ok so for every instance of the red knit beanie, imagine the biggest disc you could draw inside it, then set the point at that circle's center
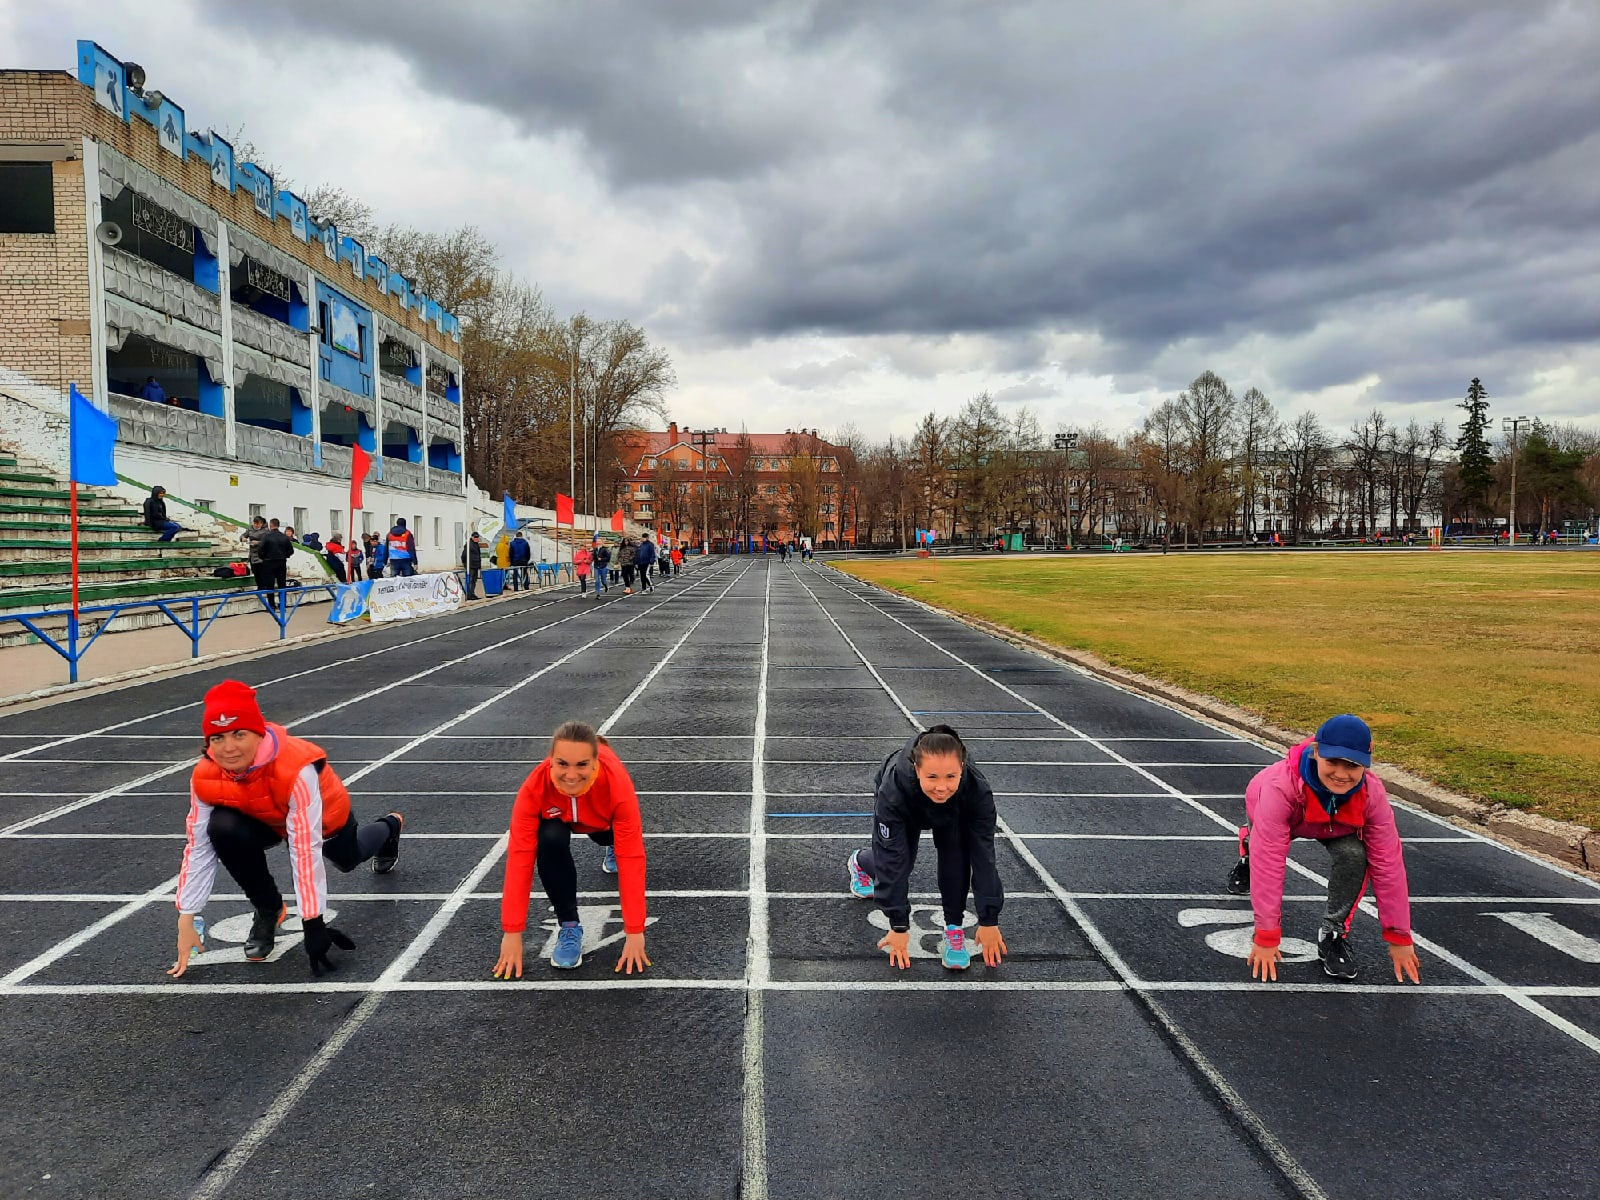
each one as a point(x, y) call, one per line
point(232, 705)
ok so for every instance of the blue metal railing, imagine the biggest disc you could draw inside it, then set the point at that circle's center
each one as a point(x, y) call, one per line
point(187, 614)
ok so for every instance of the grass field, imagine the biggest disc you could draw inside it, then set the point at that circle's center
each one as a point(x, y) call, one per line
point(1480, 671)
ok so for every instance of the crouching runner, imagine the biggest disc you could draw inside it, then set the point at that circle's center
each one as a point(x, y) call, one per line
point(929, 783)
point(580, 786)
point(257, 785)
point(1324, 790)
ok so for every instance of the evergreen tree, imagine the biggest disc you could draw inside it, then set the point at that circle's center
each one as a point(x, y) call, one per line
point(1477, 464)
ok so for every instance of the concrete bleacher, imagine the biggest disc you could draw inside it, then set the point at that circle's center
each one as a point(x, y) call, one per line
point(119, 558)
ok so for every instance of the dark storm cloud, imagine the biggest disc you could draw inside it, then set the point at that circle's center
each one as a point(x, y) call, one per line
point(1152, 173)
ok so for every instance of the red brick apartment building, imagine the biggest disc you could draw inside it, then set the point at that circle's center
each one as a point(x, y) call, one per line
point(734, 488)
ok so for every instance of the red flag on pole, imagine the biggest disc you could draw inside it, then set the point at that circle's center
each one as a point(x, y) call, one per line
point(616, 521)
point(563, 509)
point(360, 464)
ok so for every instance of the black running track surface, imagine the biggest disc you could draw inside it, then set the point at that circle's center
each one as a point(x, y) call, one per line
point(1122, 1051)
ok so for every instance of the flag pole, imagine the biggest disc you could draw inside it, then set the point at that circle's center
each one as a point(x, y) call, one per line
point(72, 631)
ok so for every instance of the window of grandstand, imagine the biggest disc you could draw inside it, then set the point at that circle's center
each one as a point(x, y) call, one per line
point(395, 358)
point(27, 198)
point(271, 293)
point(341, 425)
point(148, 370)
point(401, 441)
point(155, 234)
point(268, 404)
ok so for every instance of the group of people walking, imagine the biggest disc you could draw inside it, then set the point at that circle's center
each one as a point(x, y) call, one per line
point(256, 785)
point(635, 561)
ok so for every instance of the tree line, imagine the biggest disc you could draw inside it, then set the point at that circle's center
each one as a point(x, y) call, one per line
point(1209, 465)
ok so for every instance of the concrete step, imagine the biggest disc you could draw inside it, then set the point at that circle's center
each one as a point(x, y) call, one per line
point(99, 510)
point(14, 525)
point(108, 592)
point(11, 476)
point(123, 567)
point(14, 549)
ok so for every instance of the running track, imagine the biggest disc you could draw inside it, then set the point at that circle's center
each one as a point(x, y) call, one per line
point(1122, 1051)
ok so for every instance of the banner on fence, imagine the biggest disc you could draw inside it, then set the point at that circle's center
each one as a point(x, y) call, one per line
point(349, 602)
point(413, 596)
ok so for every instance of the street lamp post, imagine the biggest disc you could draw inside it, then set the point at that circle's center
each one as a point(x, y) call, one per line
point(1511, 425)
point(1068, 442)
point(704, 440)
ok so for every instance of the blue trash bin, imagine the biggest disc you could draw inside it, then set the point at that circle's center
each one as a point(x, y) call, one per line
point(493, 581)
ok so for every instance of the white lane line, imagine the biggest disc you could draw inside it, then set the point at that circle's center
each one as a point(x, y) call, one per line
point(1297, 1175)
point(222, 1174)
point(1582, 1036)
point(758, 961)
point(67, 945)
point(108, 730)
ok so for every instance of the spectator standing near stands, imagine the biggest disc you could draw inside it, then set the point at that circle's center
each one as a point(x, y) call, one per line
point(581, 562)
point(312, 541)
point(333, 555)
point(644, 558)
point(155, 514)
point(401, 547)
point(581, 786)
point(472, 563)
point(275, 549)
point(377, 557)
point(1324, 790)
point(677, 560)
point(601, 554)
point(521, 554)
point(930, 783)
point(153, 391)
point(627, 554)
point(252, 539)
point(257, 785)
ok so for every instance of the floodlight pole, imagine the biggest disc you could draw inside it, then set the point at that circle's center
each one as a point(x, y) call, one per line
point(704, 440)
point(1511, 424)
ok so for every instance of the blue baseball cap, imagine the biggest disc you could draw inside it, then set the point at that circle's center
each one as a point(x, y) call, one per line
point(1345, 736)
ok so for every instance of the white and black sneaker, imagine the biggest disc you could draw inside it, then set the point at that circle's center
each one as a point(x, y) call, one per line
point(389, 853)
point(1334, 951)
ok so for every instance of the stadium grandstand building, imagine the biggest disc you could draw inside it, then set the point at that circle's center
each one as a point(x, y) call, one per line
point(732, 489)
point(243, 344)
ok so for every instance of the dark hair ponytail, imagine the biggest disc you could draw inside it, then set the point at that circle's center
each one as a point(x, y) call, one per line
point(939, 739)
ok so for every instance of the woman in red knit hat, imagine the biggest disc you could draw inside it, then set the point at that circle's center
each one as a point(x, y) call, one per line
point(581, 785)
point(257, 785)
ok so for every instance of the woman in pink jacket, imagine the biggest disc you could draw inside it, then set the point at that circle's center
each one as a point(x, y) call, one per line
point(1325, 790)
point(581, 560)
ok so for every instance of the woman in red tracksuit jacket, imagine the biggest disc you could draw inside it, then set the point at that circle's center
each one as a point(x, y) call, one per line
point(1325, 790)
point(580, 786)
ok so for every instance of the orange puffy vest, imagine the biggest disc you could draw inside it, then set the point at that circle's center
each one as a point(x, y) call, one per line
point(265, 795)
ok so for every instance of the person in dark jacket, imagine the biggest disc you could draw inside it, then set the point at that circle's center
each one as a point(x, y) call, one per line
point(644, 558)
point(312, 541)
point(275, 551)
point(155, 514)
point(153, 391)
point(930, 783)
point(401, 547)
point(521, 555)
point(333, 555)
point(627, 559)
point(602, 566)
point(472, 562)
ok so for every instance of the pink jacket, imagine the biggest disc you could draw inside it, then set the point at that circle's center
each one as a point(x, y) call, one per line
point(580, 561)
point(1275, 804)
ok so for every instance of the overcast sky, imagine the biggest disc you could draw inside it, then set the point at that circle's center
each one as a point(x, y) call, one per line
point(845, 211)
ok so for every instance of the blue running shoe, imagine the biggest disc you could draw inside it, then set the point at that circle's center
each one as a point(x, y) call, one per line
point(609, 863)
point(861, 884)
point(955, 953)
point(568, 954)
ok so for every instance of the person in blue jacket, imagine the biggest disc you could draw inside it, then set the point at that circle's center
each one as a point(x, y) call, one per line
point(644, 558)
point(931, 783)
point(521, 554)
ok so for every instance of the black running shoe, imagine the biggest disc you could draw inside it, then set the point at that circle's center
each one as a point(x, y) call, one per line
point(1239, 877)
point(263, 933)
point(1334, 951)
point(389, 853)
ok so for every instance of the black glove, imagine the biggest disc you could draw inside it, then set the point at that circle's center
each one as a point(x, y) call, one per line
point(320, 939)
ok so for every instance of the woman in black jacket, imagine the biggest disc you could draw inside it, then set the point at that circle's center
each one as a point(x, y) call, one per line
point(930, 783)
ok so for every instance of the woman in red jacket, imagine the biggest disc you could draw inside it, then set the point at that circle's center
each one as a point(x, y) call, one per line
point(581, 785)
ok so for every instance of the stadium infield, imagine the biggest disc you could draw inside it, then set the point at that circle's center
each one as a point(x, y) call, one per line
point(1121, 1051)
point(1477, 670)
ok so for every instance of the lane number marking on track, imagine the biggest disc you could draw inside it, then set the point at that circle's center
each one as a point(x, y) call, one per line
point(1552, 933)
point(594, 918)
point(1235, 941)
point(232, 932)
point(927, 928)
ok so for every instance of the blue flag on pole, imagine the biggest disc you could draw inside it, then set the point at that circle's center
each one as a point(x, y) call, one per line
point(92, 438)
point(510, 518)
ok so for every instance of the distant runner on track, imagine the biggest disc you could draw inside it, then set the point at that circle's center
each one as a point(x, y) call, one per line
point(257, 785)
point(930, 783)
point(580, 786)
point(1324, 790)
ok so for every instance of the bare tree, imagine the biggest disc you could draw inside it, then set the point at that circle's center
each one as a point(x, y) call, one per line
point(1419, 457)
point(802, 483)
point(1307, 455)
point(930, 470)
point(1206, 413)
point(1366, 445)
point(1260, 430)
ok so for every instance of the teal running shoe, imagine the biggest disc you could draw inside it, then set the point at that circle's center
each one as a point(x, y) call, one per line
point(568, 954)
point(954, 949)
point(861, 884)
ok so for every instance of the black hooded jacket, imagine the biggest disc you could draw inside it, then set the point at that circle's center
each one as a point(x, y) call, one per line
point(901, 812)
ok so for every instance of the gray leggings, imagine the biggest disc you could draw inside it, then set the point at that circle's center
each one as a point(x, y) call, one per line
point(1347, 879)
